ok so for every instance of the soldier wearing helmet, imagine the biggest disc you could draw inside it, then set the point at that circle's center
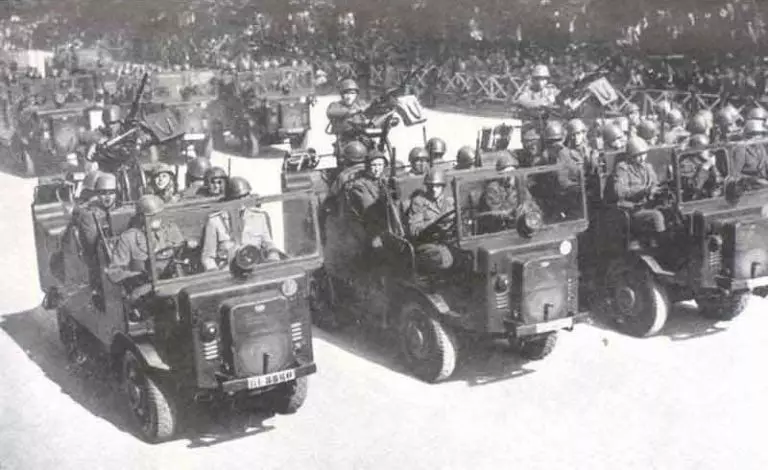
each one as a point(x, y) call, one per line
point(88, 187)
point(675, 133)
point(538, 92)
point(162, 182)
point(727, 122)
point(648, 131)
point(227, 230)
point(632, 112)
point(215, 182)
point(346, 115)
point(500, 204)
point(699, 125)
point(554, 138)
point(195, 176)
point(130, 258)
point(465, 158)
point(424, 208)
point(699, 176)
point(365, 196)
point(751, 159)
point(757, 113)
point(436, 148)
point(614, 138)
point(419, 160)
point(577, 142)
point(530, 154)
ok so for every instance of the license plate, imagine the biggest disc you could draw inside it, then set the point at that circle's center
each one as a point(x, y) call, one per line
point(271, 379)
point(194, 136)
point(553, 325)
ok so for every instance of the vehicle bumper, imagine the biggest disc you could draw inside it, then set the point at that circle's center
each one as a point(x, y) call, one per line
point(736, 285)
point(530, 329)
point(239, 385)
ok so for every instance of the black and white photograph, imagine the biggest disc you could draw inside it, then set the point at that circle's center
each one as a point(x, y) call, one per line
point(383, 234)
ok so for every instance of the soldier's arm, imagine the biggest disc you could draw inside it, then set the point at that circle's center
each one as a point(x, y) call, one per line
point(121, 258)
point(337, 111)
point(621, 184)
point(414, 217)
point(86, 223)
point(175, 237)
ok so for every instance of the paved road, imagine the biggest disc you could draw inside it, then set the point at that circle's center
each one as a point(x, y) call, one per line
point(694, 397)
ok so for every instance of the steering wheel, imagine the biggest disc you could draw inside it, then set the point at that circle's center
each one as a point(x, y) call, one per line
point(441, 229)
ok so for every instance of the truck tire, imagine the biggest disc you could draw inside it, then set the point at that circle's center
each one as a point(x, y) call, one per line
point(535, 348)
point(149, 405)
point(429, 348)
point(69, 334)
point(288, 398)
point(725, 307)
point(634, 302)
point(322, 305)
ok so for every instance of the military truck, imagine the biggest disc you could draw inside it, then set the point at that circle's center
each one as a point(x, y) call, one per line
point(259, 108)
point(711, 247)
point(514, 274)
point(241, 333)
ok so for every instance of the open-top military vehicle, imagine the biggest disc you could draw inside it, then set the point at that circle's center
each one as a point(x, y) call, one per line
point(239, 333)
point(711, 246)
point(261, 108)
point(514, 274)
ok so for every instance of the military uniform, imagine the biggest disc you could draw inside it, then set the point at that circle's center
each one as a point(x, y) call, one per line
point(168, 195)
point(346, 120)
point(698, 180)
point(530, 98)
point(89, 219)
point(362, 193)
point(422, 211)
point(526, 158)
point(226, 231)
point(500, 197)
point(130, 255)
point(633, 181)
point(750, 160)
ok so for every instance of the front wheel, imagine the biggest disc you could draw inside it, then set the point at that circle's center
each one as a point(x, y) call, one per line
point(725, 307)
point(536, 347)
point(288, 398)
point(428, 347)
point(634, 302)
point(149, 404)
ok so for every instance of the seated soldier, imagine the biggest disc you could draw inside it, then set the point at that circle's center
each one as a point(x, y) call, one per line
point(634, 185)
point(226, 231)
point(530, 154)
point(699, 176)
point(500, 204)
point(195, 176)
point(419, 160)
point(215, 183)
point(436, 149)
point(424, 208)
point(750, 161)
point(465, 158)
point(130, 258)
point(162, 182)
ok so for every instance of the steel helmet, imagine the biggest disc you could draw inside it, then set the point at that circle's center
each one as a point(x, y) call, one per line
point(354, 152)
point(554, 131)
point(698, 141)
point(698, 124)
point(726, 116)
point(576, 125)
point(375, 154)
point(214, 173)
point(106, 182)
point(631, 108)
point(197, 167)
point(89, 181)
point(149, 205)
point(612, 133)
point(435, 177)
point(675, 117)
point(436, 145)
point(111, 114)
point(540, 71)
point(754, 127)
point(162, 168)
point(636, 146)
point(757, 112)
point(418, 153)
point(530, 134)
point(237, 187)
point(465, 157)
point(348, 85)
point(647, 129)
point(506, 161)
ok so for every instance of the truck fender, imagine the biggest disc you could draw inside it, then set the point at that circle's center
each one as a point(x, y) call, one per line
point(654, 266)
point(144, 351)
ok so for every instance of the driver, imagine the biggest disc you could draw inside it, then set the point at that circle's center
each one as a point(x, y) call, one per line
point(424, 208)
point(130, 258)
point(227, 230)
point(500, 200)
point(538, 93)
point(162, 182)
point(346, 115)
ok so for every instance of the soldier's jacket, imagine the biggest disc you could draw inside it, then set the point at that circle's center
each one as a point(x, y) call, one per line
point(362, 193)
point(422, 211)
point(525, 158)
point(130, 255)
point(88, 218)
point(225, 231)
point(168, 195)
point(593, 161)
point(698, 180)
point(571, 158)
point(534, 99)
point(343, 118)
point(631, 181)
point(750, 160)
point(499, 196)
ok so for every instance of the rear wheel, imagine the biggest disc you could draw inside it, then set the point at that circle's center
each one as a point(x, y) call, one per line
point(288, 398)
point(428, 347)
point(149, 404)
point(69, 333)
point(634, 302)
point(725, 307)
point(535, 347)
point(322, 305)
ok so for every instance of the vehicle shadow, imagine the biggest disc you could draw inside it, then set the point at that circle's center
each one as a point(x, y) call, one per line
point(95, 387)
point(480, 362)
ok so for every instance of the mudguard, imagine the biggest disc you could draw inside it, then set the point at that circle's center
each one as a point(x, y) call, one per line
point(149, 356)
point(653, 265)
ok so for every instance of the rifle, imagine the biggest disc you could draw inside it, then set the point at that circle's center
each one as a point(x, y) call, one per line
point(103, 238)
point(394, 222)
point(137, 98)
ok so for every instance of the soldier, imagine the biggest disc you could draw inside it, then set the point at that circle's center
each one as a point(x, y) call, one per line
point(530, 154)
point(538, 93)
point(352, 164)
point(750, 161)
point(757, 113)
point(577, 141)
point(419, 160)
point(648, 131)
point(727, 122)
point(215, 182)
point(632, 112)
point(346, 115)
point(88, 188)
point(614, 138)
point(556, 152)
point(699, 125)
point(364, 197)
point(226, 231)
point(699, 177)
point(675, 132)
point(424, 208)
point(465, 158)
point(162, 182)
point(436, 148)
point(500, 204)
point(195, 176)
point(130, 258)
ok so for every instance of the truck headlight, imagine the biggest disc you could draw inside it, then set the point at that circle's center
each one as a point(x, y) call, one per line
point(502, 283)
point(209, 332)
point(289, 287)
point(566, 247)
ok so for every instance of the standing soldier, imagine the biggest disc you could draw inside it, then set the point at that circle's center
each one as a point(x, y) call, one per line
point(346, 115)
point(195, 176)
point(538, 93)
point(436, 148)
point(424, 208)
point(365, 196)
point(419, 160)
